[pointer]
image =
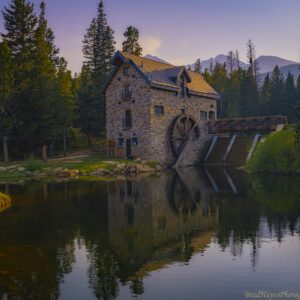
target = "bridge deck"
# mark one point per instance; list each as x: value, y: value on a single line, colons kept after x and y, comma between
x: 249, y: 124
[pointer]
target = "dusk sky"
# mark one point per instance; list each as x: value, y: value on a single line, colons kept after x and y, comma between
x: 180, y: 31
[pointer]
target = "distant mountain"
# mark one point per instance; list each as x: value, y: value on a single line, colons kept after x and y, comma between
x: 156, y: 58
x: 266, y: 63
x: 293, y: 69
x: 221, y: 59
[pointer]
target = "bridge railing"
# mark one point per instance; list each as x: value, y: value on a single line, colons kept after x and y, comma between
x: 247, y: 124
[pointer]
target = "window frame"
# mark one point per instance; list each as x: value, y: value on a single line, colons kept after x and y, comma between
x: 157, y: 112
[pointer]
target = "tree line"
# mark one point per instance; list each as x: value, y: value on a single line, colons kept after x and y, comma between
x: 243, y: 95
x: 41, y: 104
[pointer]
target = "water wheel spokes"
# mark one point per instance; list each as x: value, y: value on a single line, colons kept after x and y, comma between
x: 183, y: 129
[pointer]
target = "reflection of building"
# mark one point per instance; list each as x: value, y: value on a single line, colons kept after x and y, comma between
x: 155, y: 222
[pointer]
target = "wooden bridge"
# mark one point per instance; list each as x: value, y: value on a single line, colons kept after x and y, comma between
x: 236, y: 139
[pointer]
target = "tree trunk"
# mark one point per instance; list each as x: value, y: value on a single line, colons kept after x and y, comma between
x: 65, y: 141
x: 51, y: 150
x: 44, y: 152
x: 5, y: 149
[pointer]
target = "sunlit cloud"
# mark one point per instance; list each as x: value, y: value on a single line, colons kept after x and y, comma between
x: 151, y: 45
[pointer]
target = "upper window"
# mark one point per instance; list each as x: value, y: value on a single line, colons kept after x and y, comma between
x: 158, y: 110
x: 126, y: 71
x: 127, y: 91
x: 203, y: 115
x: 128, y: 119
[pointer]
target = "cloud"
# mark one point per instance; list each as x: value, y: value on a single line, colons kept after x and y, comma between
x: 151, y: 45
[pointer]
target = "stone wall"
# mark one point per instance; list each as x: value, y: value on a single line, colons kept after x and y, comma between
x: 139, y: 105
x: 173, y: 105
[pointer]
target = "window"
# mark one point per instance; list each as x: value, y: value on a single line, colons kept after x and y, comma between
x: 135, y: 141
x: 128, y: 119
x: 158, y: 110
x: 127, y: 91
x: 203, y: 115
x: 126, y: 71
x: 120, y: 142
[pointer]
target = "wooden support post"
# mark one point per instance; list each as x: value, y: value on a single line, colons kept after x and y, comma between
x: 254, y: 143
x: 229, y: 148
x: 212, y: 145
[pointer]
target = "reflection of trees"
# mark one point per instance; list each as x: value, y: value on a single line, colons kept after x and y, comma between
x: 37, y: 237
x: 280, y: 201
x: 272, y: 200
x: 103, y: 273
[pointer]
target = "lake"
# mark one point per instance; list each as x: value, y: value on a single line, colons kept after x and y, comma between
x: 192, y: 234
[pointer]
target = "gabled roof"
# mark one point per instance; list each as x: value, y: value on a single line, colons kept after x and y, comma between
x: 164, y: 75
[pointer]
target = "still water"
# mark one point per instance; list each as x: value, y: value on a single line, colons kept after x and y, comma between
x: 193, y: 234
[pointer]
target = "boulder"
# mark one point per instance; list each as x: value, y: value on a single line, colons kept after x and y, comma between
x: 101, y: 172
x: 121, y: 166
x: 145, y: 169
x: 57, y: 170
x: 21, y: 169
x: 12, y: 167
x: 3, y: 169
x: 74, y: 172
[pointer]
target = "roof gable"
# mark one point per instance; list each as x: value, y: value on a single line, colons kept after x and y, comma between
x: 164, y: 75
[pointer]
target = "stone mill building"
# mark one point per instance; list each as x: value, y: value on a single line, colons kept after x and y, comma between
x: 155, y: 110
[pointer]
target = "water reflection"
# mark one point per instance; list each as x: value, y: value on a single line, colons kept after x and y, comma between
x: 131, y: 229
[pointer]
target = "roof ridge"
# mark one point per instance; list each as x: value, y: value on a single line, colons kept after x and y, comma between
x: 143, y: 57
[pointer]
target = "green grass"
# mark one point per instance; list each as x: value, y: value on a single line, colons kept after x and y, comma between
x: 153, y: 164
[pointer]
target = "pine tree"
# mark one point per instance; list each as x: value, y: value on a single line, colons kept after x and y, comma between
x: 65, y: 100
x: 198, y: 67
x: 104, y: 47
x: 43, y: 98
x: 20, y: 24
x: 230, y: 59
x: 266, y: 92
x: 98, y: 50
x: 251, y: 54
x: 89, y: 119
x: 277, y: 85
x: 6, y: 90
x: 249, y: 95
x: 232, y: 95
x: 289, y: 98
x: 207, y: 76
x: 131, y: 44
x: 89, y: 46
x: 298, y: 88
x: 218, y: 81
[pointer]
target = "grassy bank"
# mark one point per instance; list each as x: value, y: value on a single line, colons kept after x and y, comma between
x: 81, y: 166
x: 278, y: 153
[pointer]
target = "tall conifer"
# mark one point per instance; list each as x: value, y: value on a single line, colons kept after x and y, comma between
x: 131, y: 43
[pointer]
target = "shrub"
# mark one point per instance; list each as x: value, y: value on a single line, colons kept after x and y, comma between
x: 32, y: 164
x: 278, y: 153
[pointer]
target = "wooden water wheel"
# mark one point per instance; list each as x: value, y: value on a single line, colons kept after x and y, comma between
x: 183, y: 129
